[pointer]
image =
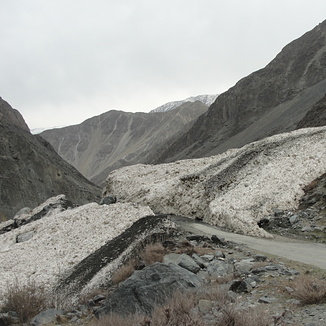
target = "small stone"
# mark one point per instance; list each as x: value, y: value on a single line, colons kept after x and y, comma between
x: 219, y: 254
x: 199, y: 261
x: 293, y: 219
x: 108, y: 200
x: 240, y: 287
x: 260, y: 258
x: 218, y: 240
x: 208, y: 257
x: 267, y: 300
x: 98, y: 298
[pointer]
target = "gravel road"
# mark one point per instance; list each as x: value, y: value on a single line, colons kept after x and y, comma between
x: 301, y: 251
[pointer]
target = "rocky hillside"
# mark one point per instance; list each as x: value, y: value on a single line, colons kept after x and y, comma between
x: 316, y: 116
x: 116, y: 138
x: 269, y: 101
x: 234, y: 190
x: 31, y: 171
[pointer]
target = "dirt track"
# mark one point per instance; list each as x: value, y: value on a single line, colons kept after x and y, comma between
x: 301, y: 251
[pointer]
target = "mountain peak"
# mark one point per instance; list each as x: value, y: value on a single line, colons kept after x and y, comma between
x: 206, y: 99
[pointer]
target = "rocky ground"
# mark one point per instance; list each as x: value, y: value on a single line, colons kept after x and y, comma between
x: 308, y: 222
x: 251, y: 280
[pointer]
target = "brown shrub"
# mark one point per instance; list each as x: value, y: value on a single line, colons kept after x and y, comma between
x: 115, y: 320
x: 26, y: 300
x: 124, y: 271
x: 178, y: 311
x: 230, y: 316
x: 309, y: 289
x: 153, y: 253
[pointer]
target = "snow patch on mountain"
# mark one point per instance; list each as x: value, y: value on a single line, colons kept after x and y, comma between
x: 62, y: 240
x: 206, y: 99
x: 234, y: 190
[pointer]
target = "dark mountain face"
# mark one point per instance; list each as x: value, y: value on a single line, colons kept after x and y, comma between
x: 316, y: 116
x: 31, y: 171
x: 269, y: 101
x: 116, y: 138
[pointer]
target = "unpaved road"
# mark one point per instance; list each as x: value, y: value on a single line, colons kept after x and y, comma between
x: 301, y: 251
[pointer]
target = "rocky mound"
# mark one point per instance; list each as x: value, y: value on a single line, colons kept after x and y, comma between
x: 234, y: 190
x: 31, y: 171
x: 46, y: 249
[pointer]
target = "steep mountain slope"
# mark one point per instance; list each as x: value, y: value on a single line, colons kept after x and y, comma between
x: 116, y: 138
x: 206, y: 99
x: 316, y: 116
x: 235, y: 189
x: 31, y: 171
x: 267, y: 102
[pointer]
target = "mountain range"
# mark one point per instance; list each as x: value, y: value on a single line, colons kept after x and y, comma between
x: 116, y: 138
x: 289, y: 93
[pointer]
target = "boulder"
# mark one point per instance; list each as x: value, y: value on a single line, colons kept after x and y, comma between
x: 148, y: 288
x: 46, y: 317
x: 218, y: 268
x: 54, y: 204
x: 24, y: 236
x: 183, y: 261
x: 108, y: 200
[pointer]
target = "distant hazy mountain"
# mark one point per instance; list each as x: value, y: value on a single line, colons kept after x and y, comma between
x: 269, y: 101
x: 116, y: 138
x: 206, y: 99
x: 31, y: 171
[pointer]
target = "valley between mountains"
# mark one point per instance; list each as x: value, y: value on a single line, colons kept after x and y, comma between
x: 232, y: 188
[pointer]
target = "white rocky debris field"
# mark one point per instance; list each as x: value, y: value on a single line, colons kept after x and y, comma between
x: 233, y: 190
x: 61, y: 240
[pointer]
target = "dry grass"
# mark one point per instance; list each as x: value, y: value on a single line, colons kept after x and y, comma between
x: 230, y: 316
x: 26, y: 300
x: 309, y: 289
x: 177, y: 312
x: 153, y: 253
x: 124, y: 271
x: 115, y: 320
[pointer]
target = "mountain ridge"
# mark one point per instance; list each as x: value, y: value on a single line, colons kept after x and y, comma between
x: 271, y: 100
x: 117, y: 138
x: 31, y: 170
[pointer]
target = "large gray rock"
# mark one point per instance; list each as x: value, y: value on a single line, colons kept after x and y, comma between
x: 219, y: 268
x: 183, y: 261
x: 54, y: 204
x: 147, y: 288
x: 46, y: 317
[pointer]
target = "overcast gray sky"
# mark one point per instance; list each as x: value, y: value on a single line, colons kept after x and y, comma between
x: 63, y: 61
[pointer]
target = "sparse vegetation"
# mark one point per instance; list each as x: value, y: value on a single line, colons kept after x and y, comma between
x: 309, y: 289
x: 26, y: 300
x: 153, y: 253
x: 124, y: 271
x: 233, y: 316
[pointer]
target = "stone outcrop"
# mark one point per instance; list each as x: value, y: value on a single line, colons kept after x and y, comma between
x: 116, y: 138
x: 269, y: 101
x: 31, y: 171
x: 148, y: 288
